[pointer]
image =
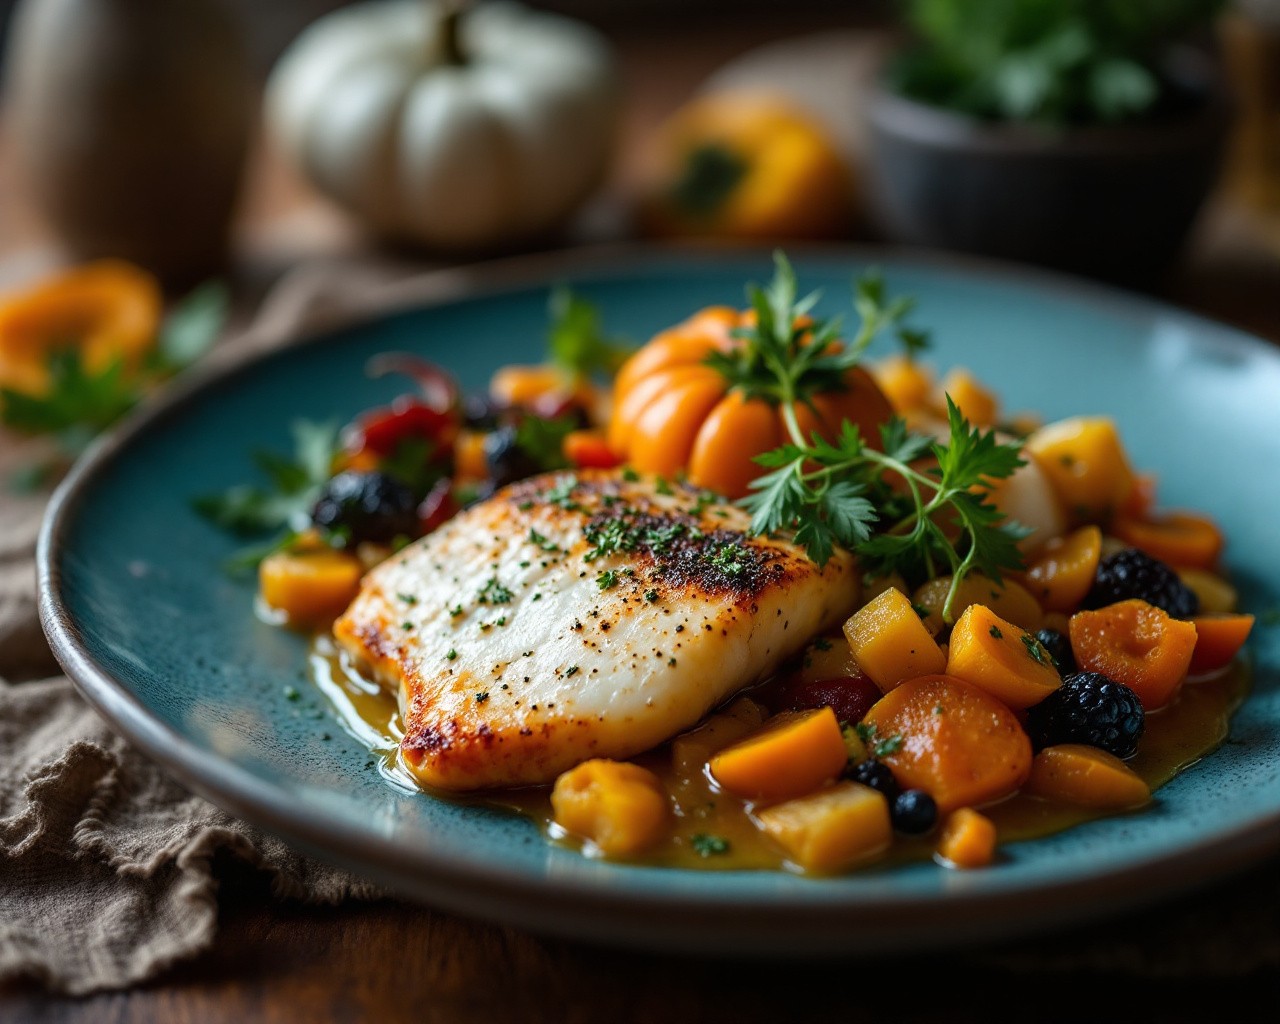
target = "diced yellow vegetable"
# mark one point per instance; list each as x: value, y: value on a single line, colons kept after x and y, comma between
x: 977, y: 404
x: 1008, y: 599
x: 690, y: 752
x: 312, y: 588
x: 890, y: 643
x: 618, y: 806
x: 998, y: 657
x: 1087, y: 777
x: 827, y: 658
x: 968, y: 839
x: 1086, y: 462
x: 793, y: 754
x: 830, y: 830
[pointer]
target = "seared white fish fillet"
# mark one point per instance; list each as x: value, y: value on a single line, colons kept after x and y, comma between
x: 570, y: 617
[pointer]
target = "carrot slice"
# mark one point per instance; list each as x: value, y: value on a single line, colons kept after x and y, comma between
x: 1218, y: 640
x: 1087, y: 777
x: 968, y: 839
x: 951, y: 739
x: 1061, y: 575
x: 793, y: 754
x: 1183, y: 539
x: 1137, y: 644
x: 998, y: 657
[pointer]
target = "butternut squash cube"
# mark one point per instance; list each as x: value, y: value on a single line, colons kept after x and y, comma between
x: 794, y: 753
x: 1086, y: 777
x: 998, y: 657
x: 312, y: 588
x: 830, y: 830
x: 968, y: 839
x: 890, y: 643
x: 976, y: 404
x: 906, y: 383
x: 618, y: 806
x: 691, y: 751
x: 1087, y: 465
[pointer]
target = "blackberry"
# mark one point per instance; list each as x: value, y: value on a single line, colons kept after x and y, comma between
x: 1088, y: 708
x: 1059, y: 648
x: 508, y: 462
x: 876, y: 775
x: 1132, y: 573
x: 914, y: 812
x: 366, y: 507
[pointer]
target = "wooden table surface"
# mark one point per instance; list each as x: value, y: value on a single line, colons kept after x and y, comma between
x: 389, y: 961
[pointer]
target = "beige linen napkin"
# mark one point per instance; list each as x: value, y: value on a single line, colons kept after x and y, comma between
x: 109, y: 870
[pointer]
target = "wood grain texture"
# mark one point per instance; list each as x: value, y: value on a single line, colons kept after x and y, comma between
x: 391, y: 962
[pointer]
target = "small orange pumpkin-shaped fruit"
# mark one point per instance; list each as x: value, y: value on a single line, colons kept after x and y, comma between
x: 673, y: 413
x: 747, y: 165
x: 108, y: 311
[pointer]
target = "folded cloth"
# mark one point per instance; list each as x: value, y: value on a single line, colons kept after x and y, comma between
x: 109, y: 870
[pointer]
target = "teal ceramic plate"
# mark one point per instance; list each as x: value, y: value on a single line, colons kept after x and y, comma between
x: 168, y: 649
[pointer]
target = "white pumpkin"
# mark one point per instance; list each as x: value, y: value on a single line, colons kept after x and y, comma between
x: 374, y: 105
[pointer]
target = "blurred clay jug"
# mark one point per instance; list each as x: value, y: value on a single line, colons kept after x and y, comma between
x: 130, y: 120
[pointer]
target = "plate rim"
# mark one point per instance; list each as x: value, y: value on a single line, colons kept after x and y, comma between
x: 571, y: 906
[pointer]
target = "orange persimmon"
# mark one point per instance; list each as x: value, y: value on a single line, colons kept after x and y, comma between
x: 1182, y: 539
x: 1137, y: 644
x: 951, y: 739
x: 108, y: 311
x: 673, y: 413
x: 792, y: 754
x: 1218, y: 640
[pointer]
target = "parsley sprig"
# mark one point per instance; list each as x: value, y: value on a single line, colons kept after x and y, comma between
x: 576, y: 342
x: 914, y: 505
x: 789, y: 356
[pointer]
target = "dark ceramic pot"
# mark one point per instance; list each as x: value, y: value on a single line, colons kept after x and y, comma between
x: 1114, y: 202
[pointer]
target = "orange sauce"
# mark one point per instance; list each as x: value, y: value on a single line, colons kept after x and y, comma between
x: 1174, y: 739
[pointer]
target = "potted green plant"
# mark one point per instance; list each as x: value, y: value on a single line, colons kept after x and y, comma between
x: 1083, y: 134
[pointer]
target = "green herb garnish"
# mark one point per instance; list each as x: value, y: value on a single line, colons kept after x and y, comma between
x: 707, y: 845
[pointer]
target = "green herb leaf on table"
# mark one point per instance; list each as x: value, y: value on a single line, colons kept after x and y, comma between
x: 192, y: 326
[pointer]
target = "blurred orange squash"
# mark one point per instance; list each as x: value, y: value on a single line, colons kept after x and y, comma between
x: 107, y: 310
x: 748, y: 166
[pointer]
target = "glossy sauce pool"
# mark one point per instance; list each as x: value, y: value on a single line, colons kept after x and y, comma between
x: 1175, y: 737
